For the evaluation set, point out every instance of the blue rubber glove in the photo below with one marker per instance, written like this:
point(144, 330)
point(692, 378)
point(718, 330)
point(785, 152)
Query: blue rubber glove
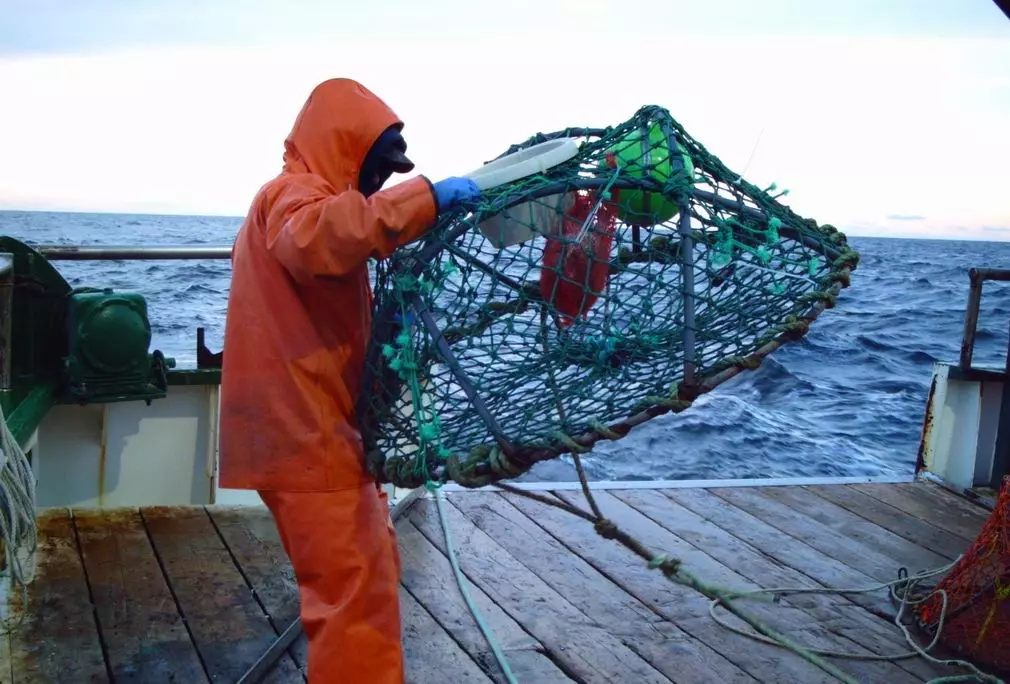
point(451, 192)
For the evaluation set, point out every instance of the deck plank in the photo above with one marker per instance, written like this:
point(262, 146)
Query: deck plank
point(596, 595)
point(178, 592)
point(784, 548)
point(866, 632)
point(58, 640)
point(722, 655)
point(145, 637)
point(251, 536)
point(846, 524)
point(587, 649)
point(849, 551)
point(794, 622)
point(229, 627)
point(428, 577)
point(429, 653)
point(913, 529)
point(930, 503)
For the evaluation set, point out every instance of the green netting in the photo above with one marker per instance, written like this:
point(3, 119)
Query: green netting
point(617, 307)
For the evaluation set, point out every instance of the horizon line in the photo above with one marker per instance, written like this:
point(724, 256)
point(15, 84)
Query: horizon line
point(847, 232)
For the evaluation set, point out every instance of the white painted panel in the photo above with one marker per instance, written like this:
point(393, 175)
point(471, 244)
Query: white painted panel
point(988, 427)
point(156, 455)
point(153, 455)
point(961, 436)
point(68, 456)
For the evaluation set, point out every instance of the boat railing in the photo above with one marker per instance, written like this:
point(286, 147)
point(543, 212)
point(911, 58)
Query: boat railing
point(978, 276)
point(131, 253)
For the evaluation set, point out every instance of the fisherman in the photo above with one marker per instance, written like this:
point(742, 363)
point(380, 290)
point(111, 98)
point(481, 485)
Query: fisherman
point(298, 323)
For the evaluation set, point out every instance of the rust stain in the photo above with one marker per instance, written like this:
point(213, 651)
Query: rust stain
point(927, 429)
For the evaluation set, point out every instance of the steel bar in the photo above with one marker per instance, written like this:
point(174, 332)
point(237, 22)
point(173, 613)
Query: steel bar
point(129, 252)
point(998, 274)
point(970, 320)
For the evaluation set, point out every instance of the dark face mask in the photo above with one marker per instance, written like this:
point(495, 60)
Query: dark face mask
point(371, 183)
point(386, 157)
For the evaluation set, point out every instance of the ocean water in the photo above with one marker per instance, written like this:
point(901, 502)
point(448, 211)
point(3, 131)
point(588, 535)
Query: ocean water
point(847, 400)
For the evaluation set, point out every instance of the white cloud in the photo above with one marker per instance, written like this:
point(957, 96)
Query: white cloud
point(856, 129)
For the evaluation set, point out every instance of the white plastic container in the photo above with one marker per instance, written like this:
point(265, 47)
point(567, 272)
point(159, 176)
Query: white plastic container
point(517, 224)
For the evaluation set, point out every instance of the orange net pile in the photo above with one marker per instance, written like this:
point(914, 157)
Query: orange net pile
point(977, 621)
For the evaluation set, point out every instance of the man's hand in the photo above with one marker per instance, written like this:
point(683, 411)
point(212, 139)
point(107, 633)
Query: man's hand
point(452, 192)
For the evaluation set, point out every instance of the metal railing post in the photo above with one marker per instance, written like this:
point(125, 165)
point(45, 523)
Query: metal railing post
point(971, 319)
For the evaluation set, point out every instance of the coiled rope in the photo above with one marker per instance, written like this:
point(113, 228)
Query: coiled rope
point(18, 527)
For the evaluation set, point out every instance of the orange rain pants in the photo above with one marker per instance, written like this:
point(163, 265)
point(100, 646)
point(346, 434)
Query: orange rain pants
point(297, 327)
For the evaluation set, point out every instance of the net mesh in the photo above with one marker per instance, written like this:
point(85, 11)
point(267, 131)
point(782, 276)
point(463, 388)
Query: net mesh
point(976, 623)
point(647, 273)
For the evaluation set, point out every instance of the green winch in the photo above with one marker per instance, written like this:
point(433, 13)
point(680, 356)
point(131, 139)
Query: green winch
point(108, 338)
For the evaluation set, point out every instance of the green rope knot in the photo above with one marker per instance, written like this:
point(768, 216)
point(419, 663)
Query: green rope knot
point(797, 327)
point(605, 431)
point(605, 528)
point(752, 362)
point(666, 564)
point(572, 445)
point(502, 465)
point(464, 472)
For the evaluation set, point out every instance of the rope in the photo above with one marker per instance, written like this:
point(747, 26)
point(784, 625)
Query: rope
point(673, 570)
point(18, 528)
point(899, 591)
point(464, 590)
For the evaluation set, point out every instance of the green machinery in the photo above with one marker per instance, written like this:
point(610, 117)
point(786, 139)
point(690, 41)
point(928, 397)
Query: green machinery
point(67, 345)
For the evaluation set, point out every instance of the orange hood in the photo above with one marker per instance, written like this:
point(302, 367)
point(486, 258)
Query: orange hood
point(335, 130)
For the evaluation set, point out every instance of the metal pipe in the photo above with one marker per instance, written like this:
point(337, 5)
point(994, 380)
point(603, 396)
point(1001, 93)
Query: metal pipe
point(117, 253)
point(980, 274)
point(971, 319)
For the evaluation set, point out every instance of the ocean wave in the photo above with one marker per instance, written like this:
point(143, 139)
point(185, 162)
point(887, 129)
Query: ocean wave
point(846, 400)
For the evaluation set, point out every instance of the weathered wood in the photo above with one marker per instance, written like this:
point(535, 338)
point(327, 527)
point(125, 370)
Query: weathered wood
point(596, 595)
point(58, 640)
point(709, 652)
point(813, 533)
point(867, 633)
point(145, 637)
point(785, 549)
point(923, 533)
point(850, 526)
point(930, 503)
point(251, 536)
point(585, 648)
point(229, 627)
point(787, 619)
point(428, 576)
point(429, 653)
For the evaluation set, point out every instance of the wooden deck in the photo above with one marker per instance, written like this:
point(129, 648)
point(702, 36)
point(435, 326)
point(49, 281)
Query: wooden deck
point(193, 595)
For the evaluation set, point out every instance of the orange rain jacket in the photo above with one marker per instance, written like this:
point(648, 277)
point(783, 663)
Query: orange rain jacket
point(299, 311)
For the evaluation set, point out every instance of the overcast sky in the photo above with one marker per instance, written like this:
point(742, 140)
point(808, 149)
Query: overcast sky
point(885, 117)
